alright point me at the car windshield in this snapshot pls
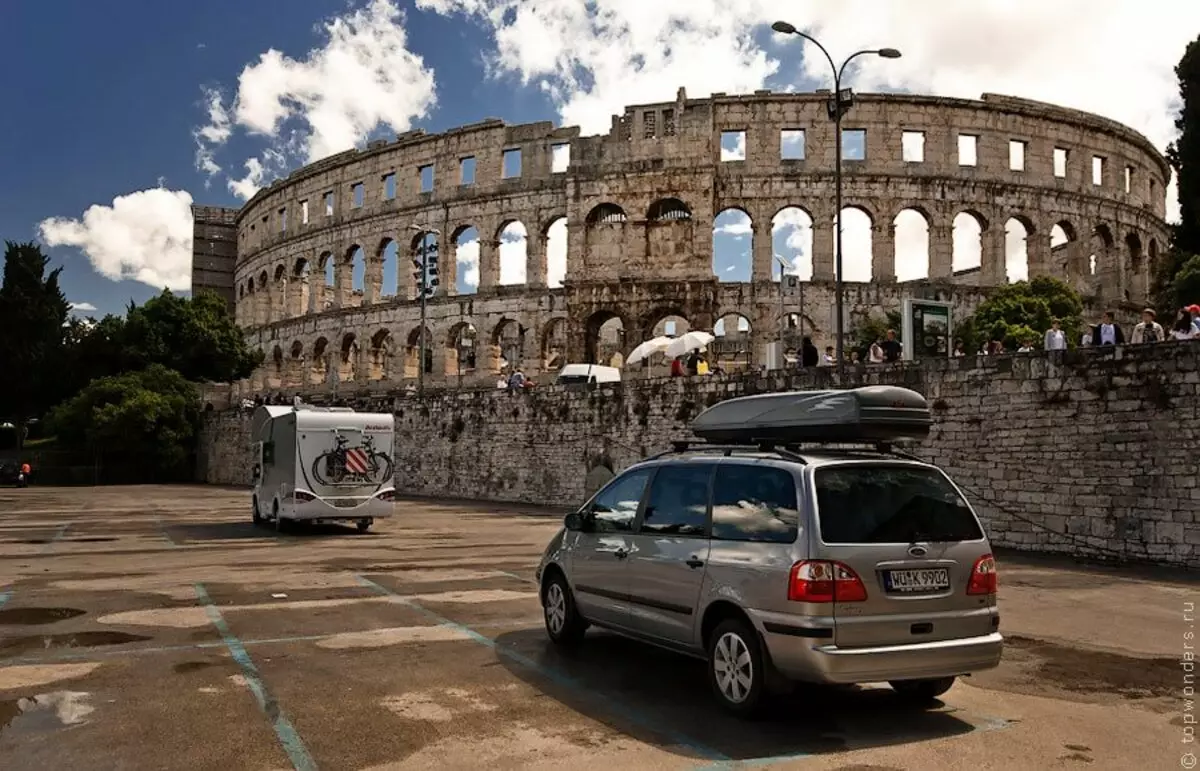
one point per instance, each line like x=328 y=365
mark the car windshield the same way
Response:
x=891 y=504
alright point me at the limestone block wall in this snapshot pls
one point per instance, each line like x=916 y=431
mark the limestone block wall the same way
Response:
x=325 y=287
x=1092 y=447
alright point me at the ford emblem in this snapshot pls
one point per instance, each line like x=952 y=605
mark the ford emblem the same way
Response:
x=917 y=551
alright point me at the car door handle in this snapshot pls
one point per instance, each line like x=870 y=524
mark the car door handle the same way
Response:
x=695 y=563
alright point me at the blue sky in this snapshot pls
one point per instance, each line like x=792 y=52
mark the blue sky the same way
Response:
x=107 y=97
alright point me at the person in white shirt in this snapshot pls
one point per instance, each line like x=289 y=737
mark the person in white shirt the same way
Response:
x=828 y=359
x=1185 y=328
x=876 y=353
x=1108 y=331
x=1148 y=331
x=1055 y=339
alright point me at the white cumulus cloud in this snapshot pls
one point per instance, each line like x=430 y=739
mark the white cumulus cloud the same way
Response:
x=466 y=256
x=144 y=236
x=593 y=59
x=361 y=79
x=83 y=307
x=513 y=240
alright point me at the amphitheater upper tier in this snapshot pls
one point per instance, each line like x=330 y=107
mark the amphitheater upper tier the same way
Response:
x=323 y=256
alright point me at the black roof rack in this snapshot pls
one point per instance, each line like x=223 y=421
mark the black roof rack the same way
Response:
x=680 y=446
x=866 y=415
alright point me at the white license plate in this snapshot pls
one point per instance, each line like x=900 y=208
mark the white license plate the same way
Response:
x=344 y=503
x=929 y=580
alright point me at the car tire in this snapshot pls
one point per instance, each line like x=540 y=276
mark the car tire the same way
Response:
x=922 y=691
x=737 y=670
x=564 y=625
x=363 y=525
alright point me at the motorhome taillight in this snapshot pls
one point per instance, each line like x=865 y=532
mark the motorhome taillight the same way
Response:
x=825 y=581
x=983 y=576
x=299 y=496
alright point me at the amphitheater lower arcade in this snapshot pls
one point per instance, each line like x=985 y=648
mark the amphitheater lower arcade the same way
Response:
x=663 y=225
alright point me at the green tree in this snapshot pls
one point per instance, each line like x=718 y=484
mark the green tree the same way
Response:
x=33 y=319
x=196 y=337
x=145 y=419
x=1184 y=153
x=1022 y=310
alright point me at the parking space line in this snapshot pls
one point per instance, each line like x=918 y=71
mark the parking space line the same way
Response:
x=622 y=710
x=284 y=730
x=163 y=530
x=62 y=530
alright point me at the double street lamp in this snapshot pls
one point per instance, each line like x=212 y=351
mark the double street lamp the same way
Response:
x=425 y=275
x=839 y=103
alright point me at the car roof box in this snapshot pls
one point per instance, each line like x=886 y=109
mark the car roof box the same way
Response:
x=869 y=414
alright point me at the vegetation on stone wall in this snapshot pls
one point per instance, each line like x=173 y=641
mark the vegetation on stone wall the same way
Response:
x=123 y=385
x=1176 y=284
x=1023 y=311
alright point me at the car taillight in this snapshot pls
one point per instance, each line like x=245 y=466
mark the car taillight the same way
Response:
x=825 y=581
x=983 y=576
x=299 y=496
x=387 y=495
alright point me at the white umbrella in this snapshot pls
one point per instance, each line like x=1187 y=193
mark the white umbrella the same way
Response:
x=648 y=349
x=687 y=342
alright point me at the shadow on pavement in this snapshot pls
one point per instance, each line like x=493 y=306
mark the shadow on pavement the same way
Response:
x=651 y=694
x=233 y=531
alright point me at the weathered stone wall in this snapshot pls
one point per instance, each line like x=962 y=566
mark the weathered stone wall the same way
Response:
x=640 y=204
x=1096 y=448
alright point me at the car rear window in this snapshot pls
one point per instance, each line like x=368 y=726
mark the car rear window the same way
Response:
x=891 y=504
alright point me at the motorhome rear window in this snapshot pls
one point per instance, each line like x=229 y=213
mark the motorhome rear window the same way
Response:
x=891 y=504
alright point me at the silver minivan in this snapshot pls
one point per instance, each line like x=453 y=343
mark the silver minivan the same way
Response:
x=778 y=564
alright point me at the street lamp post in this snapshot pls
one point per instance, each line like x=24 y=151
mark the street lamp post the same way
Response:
x=837 y=106
x=783 y=266
x=423 y=285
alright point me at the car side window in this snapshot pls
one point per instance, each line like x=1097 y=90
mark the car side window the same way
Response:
x=678 y=502
x=754 y=503
x=615 y=507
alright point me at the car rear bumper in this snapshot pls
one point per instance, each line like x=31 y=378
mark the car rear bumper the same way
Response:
x=371 y=508
x=808 y=654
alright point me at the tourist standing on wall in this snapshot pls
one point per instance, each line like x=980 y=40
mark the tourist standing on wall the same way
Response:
x=1185 y=326
x=1148 y=331
x=1108 y=331
x=1056 y=339
x=875 y=355
x=892 y=350
x=809 y=355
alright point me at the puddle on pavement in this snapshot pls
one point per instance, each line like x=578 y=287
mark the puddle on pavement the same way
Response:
x=1099 y=672
x=44 y=712
x=184 y=667
x=35 y=616
x=76 y=640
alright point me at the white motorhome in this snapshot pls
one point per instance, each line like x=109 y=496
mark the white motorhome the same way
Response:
x=587 y=374
x=322 y=464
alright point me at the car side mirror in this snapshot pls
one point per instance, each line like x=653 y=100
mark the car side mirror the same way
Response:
x=578 y=521
x=256 y=472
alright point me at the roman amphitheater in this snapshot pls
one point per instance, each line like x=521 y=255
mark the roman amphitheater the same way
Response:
x=557 y=248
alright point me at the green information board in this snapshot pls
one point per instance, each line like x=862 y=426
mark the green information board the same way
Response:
x=928 y=329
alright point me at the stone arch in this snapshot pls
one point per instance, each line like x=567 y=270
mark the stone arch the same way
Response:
x=1065 y=256
x=1018 y=231
x=262 y=299
x=355 y=271
x=733 y=245
x=379 y=355
x=319 y=364
x=412 y=352
x=792 y=241
x=673 y=324
x=911 y=243
x=1138 y=288
x=275 y=371
x=327 y=293
x=554 y=238
x=465 y=239
x=512 y=252
x=668 y=210
x=295 y=365
x=1152 y=258
x=733 y=348
x=507 y=345
x=969 y=227
x=606 y=214
x=348 y=358
x=604 y=337
x=387 y=257
x=299 y=292
x=857 y=241
x=554 y=344
x=1103 y=271
x=462 y=349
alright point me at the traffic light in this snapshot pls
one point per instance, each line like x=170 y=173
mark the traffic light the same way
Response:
x=431 y=271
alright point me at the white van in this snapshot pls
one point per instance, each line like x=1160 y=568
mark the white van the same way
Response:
x=322 y=464
x=587 y=374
